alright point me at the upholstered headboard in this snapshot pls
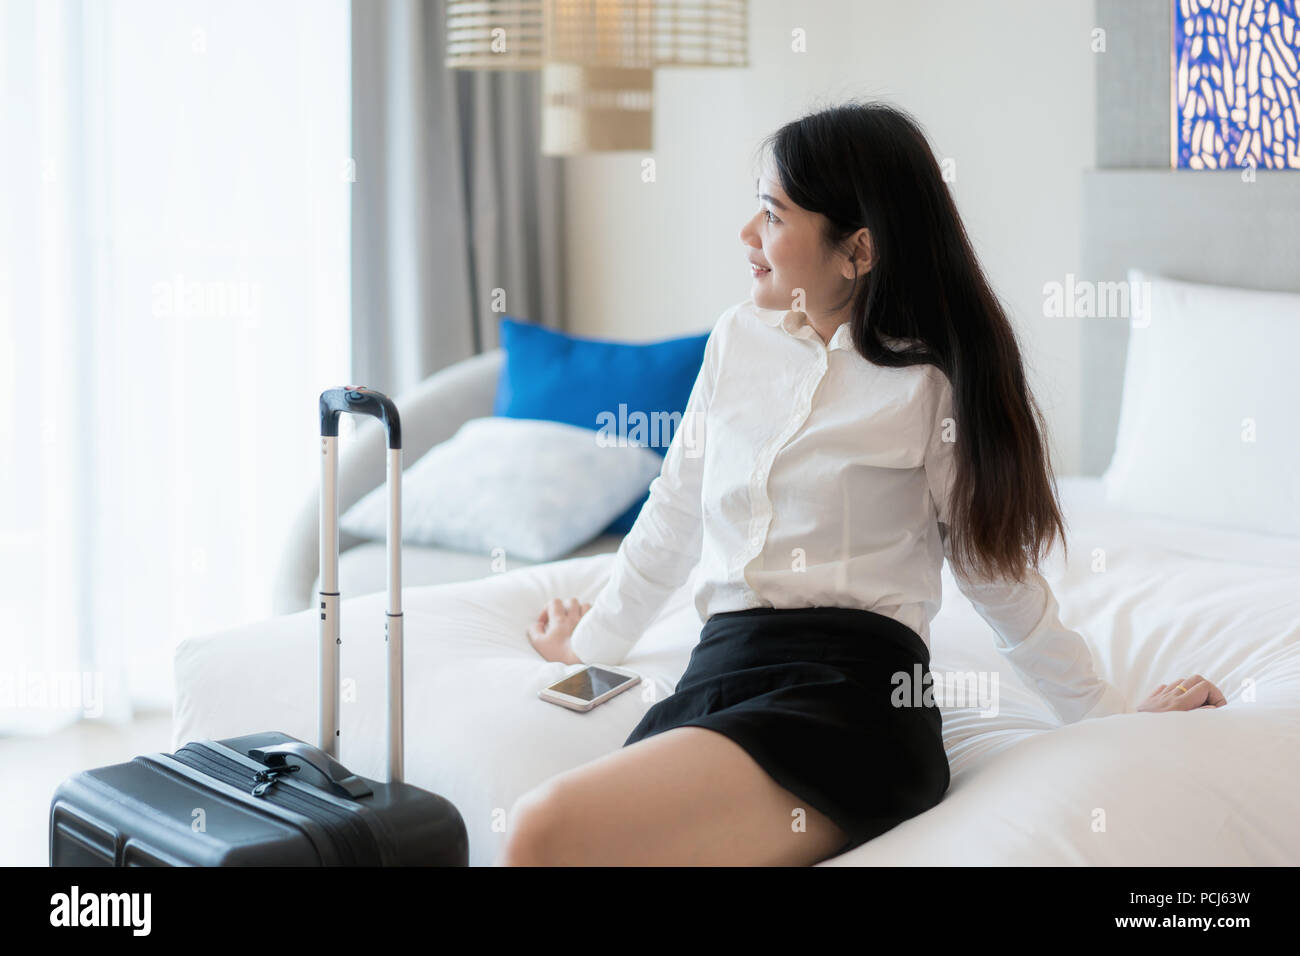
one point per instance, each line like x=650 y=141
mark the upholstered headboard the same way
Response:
x=1200 y=226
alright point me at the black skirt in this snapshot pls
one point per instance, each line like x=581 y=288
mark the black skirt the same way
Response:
x=815 y=696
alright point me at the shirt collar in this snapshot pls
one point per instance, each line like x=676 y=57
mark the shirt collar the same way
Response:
x=794 y=321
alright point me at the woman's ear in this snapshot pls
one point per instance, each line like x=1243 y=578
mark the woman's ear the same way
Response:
x=861 y=254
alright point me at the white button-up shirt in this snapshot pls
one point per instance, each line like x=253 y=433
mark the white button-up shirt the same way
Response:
x=802 y=475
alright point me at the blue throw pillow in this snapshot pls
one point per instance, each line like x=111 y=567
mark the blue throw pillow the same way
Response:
x=624 y=389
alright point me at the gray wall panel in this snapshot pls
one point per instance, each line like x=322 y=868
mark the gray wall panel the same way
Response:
x=1133 y=85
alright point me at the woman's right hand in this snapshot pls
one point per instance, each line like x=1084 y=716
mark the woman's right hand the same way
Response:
x=550 y=634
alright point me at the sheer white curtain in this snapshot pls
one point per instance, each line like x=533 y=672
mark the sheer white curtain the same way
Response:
x=173 y=297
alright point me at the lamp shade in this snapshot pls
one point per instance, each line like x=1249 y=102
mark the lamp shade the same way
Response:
x=597 y=57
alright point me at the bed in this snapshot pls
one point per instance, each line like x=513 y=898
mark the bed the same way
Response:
x=1211 y=787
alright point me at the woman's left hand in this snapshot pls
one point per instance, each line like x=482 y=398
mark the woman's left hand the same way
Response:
x=1186 y=693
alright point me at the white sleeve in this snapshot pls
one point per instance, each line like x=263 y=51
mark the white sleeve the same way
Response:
x=1048 y=656
x=663 y=546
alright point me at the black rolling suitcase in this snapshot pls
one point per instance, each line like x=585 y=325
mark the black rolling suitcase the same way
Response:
x=269 y=799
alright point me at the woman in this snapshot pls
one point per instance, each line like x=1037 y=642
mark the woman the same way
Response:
x=861 y=417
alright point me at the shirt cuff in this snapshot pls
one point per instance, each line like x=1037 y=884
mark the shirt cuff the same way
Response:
x=594 y=642
x=1056 y=662
x=1111 y=702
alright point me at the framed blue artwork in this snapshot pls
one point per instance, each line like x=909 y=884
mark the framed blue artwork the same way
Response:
x=1235 y=80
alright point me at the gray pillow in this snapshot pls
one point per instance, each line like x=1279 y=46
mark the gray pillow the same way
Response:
x=537 y=489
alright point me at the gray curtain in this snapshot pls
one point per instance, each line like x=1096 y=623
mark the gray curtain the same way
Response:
x=452 y=200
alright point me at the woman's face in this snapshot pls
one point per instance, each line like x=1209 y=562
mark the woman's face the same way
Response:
x=787 y=256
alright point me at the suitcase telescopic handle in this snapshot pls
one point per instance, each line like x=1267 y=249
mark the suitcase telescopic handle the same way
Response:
x=358 y=400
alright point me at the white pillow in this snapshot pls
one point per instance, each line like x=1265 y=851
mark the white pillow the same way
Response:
x=537 y=489
x=1209 y=426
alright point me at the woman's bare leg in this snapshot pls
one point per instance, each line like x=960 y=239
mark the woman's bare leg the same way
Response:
x=687 y=796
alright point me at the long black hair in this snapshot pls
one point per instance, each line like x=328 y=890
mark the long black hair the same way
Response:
x=868 y=164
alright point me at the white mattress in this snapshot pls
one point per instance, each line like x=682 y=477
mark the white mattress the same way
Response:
x=1156 y=599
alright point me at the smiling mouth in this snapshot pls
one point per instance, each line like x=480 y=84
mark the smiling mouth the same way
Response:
x=758 y=270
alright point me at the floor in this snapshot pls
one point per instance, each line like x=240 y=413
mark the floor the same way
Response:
x=32 y=767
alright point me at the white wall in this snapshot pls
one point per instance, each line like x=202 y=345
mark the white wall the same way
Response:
x=1003 y=87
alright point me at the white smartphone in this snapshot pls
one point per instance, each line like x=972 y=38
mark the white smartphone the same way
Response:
x=591 y=685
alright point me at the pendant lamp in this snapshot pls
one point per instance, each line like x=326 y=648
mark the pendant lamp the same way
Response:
x=597 y=58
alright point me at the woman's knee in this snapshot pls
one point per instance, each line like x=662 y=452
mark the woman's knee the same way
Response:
x=534 y=828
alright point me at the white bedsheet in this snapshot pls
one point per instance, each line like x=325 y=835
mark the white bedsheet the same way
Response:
x=1156 y=599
